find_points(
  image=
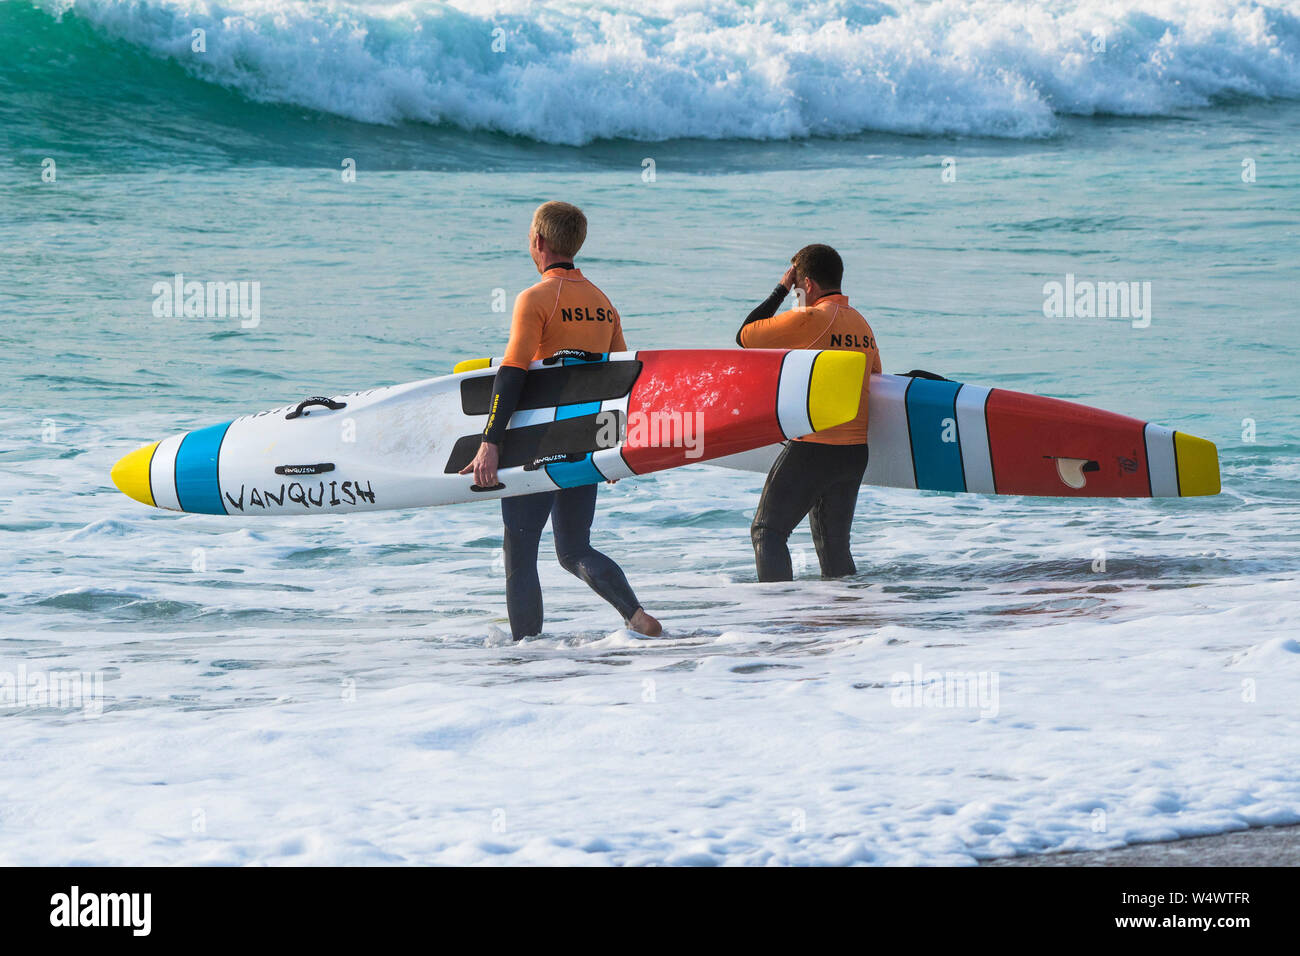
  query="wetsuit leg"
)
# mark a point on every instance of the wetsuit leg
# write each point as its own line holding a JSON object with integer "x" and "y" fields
{"x": 788, "y": 494}
{"x": 831, "y": 518}
{"x": 524, "y": 517}
{"x": 571, "y": 518}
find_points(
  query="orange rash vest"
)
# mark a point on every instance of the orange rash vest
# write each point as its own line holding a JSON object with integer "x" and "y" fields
{"x": 829, "y": 323}
{"x": 562, "y": 311}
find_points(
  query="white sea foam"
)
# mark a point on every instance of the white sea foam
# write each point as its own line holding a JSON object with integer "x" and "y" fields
{"x": 341, "y": 691}
{"x": 572, "y": 72}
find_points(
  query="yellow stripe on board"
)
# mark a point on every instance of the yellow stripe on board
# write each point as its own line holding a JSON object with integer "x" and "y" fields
{"x": 1198, "y": 466}
{"x": 835, "y": 389}
{"x": 471, "y": 365}
{"x": 131, "y": 475}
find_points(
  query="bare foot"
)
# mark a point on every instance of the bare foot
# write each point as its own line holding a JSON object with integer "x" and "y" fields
{"x": 643, "y": 623}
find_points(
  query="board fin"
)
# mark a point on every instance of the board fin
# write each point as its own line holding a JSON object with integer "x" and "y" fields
{"x": 1073, "y": 471}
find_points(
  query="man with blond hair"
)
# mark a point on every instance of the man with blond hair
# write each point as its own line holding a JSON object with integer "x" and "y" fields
{"x": 562, "y": 311}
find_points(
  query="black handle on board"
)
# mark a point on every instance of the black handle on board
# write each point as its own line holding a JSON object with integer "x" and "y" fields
{"x": 581, "y": 354}
{"x": 314, "y": 400}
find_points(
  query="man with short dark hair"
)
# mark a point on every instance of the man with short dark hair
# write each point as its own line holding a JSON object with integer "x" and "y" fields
{"x": 817, "y": 475}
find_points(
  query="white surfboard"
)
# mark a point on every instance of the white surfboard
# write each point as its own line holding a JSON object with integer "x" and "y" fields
{"x": 583, "y": 418}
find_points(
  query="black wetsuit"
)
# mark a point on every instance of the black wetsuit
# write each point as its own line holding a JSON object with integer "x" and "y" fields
{"x": 809, "y": 479}
{"x": 571, "y": 512}
{"x": 820, "y": 482}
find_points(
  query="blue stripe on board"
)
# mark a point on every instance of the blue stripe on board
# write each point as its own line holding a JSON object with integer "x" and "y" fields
{"x": 571, "y": 474}
{"x": 576, "y": 411}
{"x": 197, "y": 487}
{"x": 932, "y": 416}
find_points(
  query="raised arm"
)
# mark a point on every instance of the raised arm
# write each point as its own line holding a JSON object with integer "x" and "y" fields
{"x": 769, "y": 306}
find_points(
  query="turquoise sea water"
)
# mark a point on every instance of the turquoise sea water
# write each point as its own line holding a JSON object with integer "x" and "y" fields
{"x": 230, "y": 169}
{"x": 399, "y": 274}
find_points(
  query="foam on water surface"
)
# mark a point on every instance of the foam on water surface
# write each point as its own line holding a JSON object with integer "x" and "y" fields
{"x": 691, "y": 69}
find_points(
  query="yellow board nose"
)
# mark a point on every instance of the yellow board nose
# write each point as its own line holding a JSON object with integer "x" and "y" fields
{"x": 471, "y": 365}
{"x": 835, "y": 390}
{"x": 131, "y": 475}
{"x": 1198, "y": 465}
